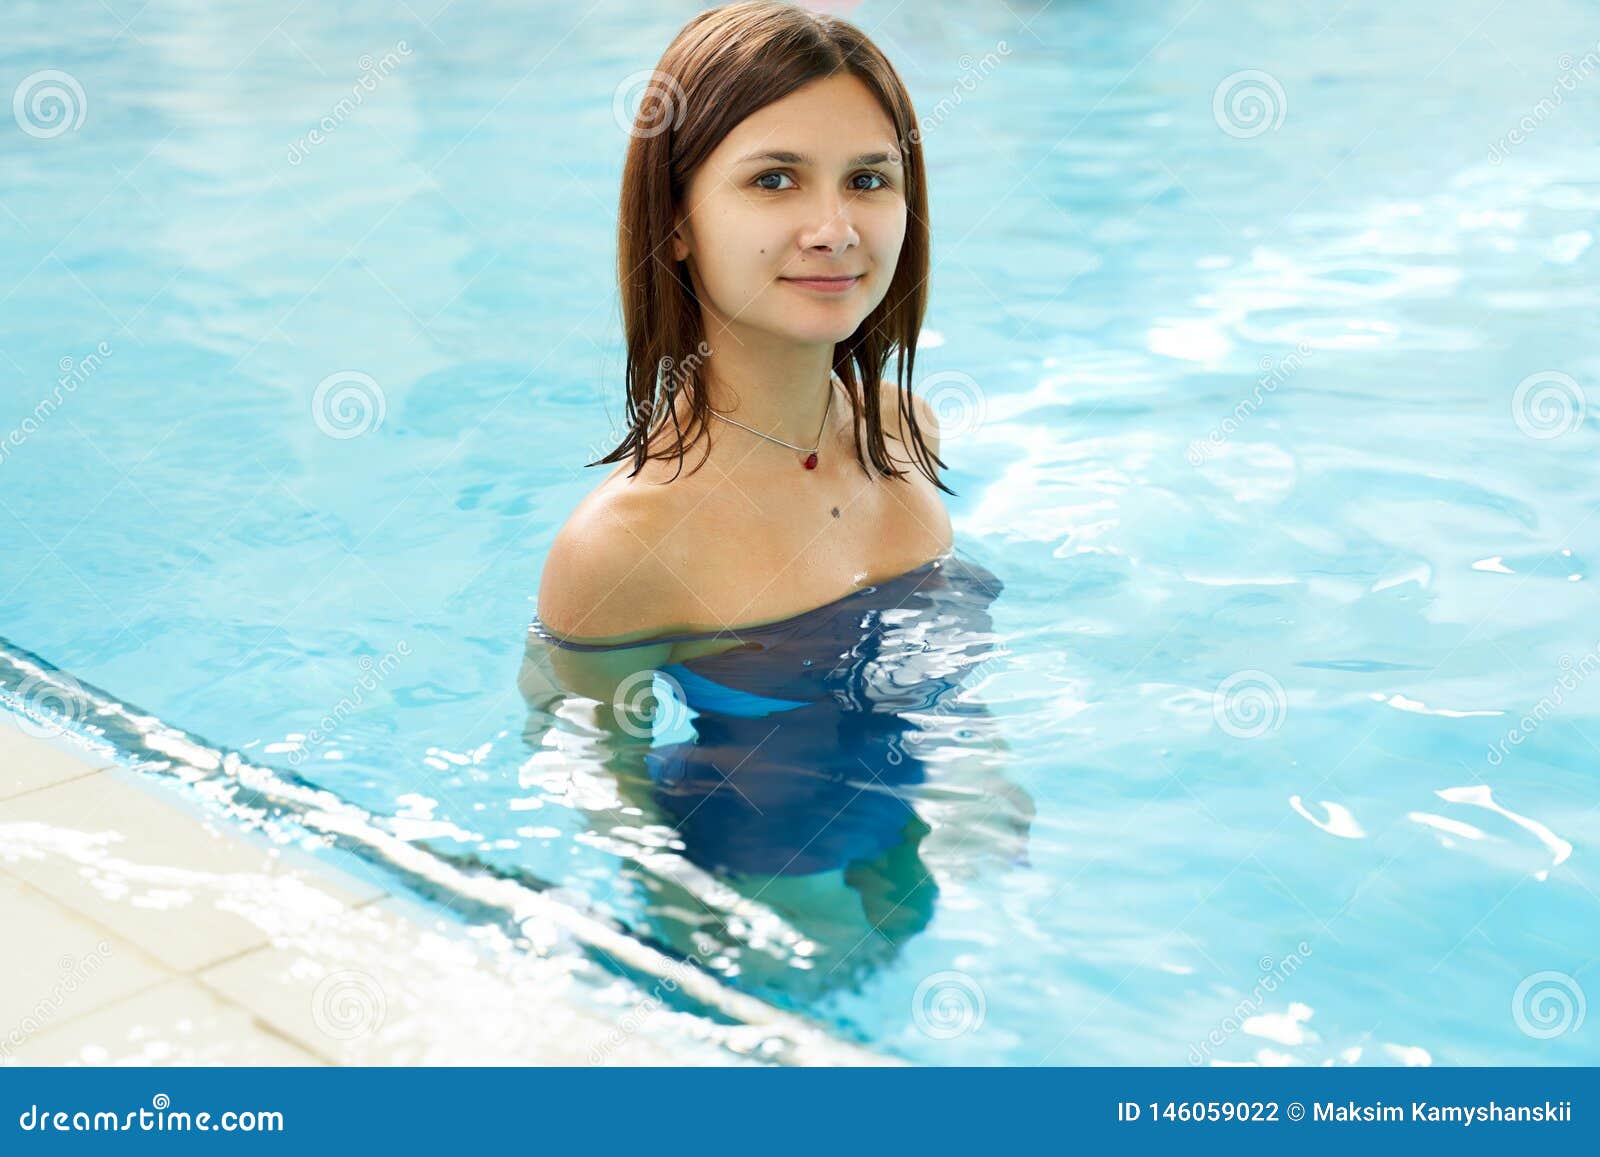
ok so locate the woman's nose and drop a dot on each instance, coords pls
(833, 230)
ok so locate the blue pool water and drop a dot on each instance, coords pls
(1273, 420)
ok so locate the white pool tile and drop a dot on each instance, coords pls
(179, 1022)
(29, 762)
(180, 885)
(390, 990)
(287, 958)
(57, 967)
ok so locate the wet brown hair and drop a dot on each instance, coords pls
(724, 65)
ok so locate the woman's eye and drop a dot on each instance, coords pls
(882, 182)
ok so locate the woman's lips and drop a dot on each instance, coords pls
(825, 284)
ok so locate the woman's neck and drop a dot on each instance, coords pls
(781, 390)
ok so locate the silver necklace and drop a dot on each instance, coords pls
(810, 459)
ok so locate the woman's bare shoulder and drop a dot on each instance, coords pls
(893, 427)
(610, 572)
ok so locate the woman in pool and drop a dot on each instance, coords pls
(773, 638)
(773, 254)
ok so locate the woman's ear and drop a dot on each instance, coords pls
(680, 238)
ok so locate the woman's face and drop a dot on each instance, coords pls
(810, 186)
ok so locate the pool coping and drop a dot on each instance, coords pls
(272, 957)
(177, 933)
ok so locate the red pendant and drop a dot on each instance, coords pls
(811, 460)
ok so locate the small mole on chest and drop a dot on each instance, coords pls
(836, 512)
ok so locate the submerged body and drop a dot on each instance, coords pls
(783, 750)
(832, 766)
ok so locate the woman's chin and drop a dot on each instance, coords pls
(824, 331)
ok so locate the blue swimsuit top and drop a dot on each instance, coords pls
(797, 751)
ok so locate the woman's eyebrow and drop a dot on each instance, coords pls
(788, 158)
